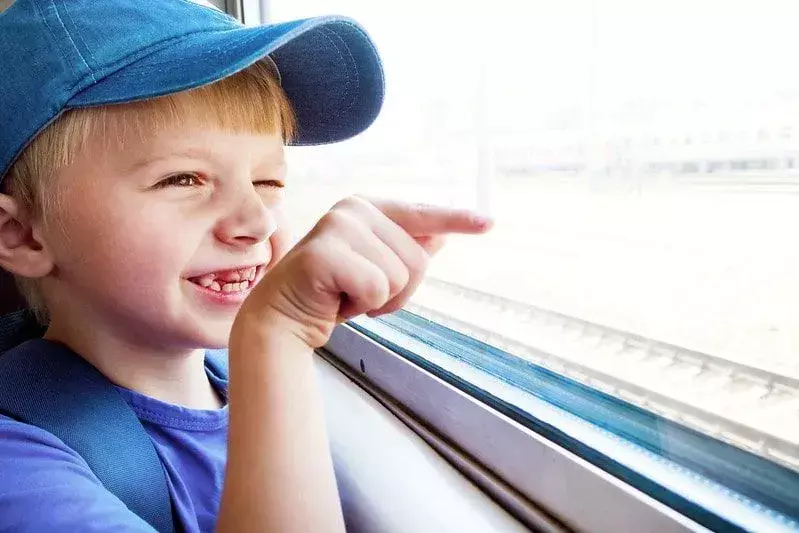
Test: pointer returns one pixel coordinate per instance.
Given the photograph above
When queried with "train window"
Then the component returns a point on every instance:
(643, 286)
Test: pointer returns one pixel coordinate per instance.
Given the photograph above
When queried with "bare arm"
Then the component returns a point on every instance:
(279, 474)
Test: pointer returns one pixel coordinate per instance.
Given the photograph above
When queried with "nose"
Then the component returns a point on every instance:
(247, 220)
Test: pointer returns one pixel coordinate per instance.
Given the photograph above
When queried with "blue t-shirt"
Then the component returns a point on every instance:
(45, 486)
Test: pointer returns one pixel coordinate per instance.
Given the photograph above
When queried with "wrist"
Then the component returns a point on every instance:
(256, 327)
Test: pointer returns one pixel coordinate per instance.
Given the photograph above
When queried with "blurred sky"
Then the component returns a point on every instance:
(537, 60)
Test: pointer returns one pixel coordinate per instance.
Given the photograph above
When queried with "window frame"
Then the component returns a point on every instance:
(579, 471)
(585, 497)
(249, 12)
(514, 503)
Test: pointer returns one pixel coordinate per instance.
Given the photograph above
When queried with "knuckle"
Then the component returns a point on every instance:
(337, 219)
(316, 250)
(321, 255)
(375, 290)
(353, 202)
(399, 281)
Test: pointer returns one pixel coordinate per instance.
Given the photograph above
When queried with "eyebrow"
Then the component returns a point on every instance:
(192, 153)
(189, 153)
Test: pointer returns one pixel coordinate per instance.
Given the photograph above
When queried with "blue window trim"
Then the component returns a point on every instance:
(773, 486)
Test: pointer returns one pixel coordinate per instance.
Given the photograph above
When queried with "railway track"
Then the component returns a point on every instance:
(746, 406)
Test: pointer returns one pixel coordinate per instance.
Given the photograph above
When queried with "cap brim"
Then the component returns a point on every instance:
(329, 68)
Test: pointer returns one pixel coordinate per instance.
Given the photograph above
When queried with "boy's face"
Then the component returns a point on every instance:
(152, 231)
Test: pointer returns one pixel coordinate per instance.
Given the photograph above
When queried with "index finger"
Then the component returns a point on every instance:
(419, 220)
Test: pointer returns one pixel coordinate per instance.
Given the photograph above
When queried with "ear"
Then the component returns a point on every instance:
(22, 250)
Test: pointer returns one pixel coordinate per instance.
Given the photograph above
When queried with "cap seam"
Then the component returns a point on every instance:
(78, 36)
(72, 41)
(350, 93)
(41, 8)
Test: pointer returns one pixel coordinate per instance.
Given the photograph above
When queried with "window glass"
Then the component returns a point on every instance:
(641, 159)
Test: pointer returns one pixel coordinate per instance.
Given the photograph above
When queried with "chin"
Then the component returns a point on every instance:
(218, 339)
(210, 336)
(216, 344)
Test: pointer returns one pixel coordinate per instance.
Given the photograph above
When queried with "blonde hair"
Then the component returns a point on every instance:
(249, 101)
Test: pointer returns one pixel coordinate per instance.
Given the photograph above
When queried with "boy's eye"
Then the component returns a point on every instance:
(269, 183)
(184, 179)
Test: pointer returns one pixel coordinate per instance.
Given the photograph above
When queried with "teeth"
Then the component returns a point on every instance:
(230, 287)
(237, 281)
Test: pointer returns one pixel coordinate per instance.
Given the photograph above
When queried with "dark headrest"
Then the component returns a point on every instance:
(18, 327)
(10, 298)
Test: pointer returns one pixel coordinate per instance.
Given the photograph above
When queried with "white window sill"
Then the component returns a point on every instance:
(389, 479)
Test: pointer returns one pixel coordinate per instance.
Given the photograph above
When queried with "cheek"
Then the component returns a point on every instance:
(125, 246)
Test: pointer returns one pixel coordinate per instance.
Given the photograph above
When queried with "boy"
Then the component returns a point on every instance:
(141, 159)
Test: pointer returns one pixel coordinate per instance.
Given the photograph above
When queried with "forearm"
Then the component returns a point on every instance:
(279, 473)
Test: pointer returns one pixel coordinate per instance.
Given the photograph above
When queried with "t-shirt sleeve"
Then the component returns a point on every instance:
(45, 486)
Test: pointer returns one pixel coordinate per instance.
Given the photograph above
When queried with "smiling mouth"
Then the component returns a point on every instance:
(230, 281)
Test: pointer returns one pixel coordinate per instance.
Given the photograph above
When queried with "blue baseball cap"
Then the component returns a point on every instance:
(57, 55)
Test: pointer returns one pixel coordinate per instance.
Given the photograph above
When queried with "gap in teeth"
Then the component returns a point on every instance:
(229, 287)
(210, 281)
